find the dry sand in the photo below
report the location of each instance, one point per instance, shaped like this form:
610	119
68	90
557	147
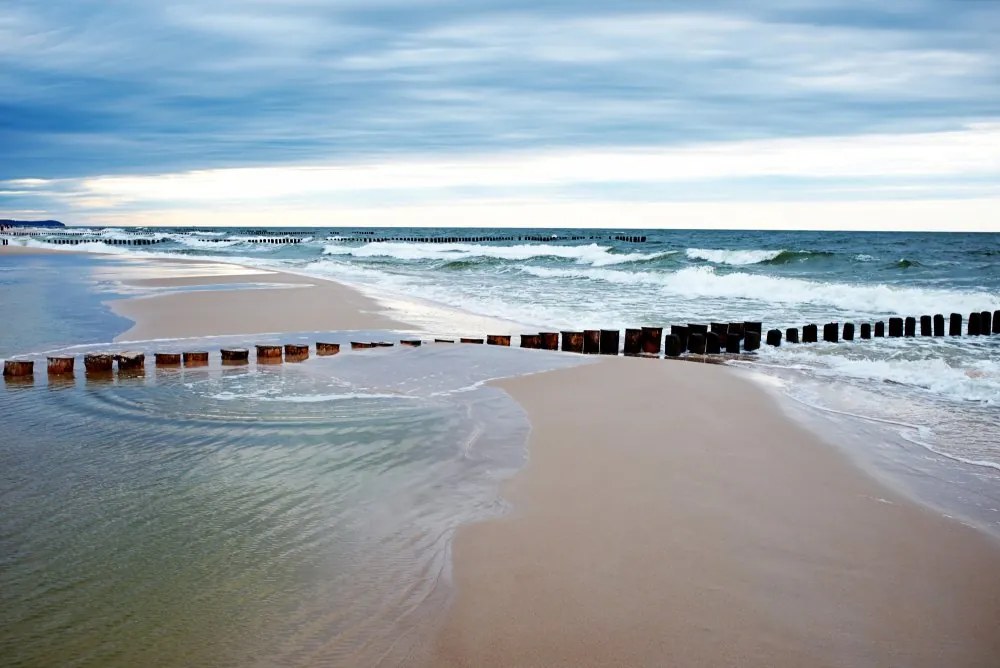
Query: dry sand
671	516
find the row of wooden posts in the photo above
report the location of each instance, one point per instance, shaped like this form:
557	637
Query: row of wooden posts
111	242
486	239
699	339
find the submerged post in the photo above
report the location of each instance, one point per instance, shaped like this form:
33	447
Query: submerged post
774	337
130	361
296	352
469	340
18	368
751	340
415	343
985	319
61	365
361	345
167	359
235	355
996	322
879	329
269	354
196	358
591	341
324	349
609	341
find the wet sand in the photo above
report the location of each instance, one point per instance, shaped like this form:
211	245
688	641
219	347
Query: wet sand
671	516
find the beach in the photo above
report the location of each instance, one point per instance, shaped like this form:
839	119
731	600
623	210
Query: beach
669	514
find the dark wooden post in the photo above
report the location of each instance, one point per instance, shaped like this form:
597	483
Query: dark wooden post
938	325
269	354
713	346
130	361
416	343
792	334
925	325
830	332
324	349
18	368
649	340
694	328
572	342
732	344
751	340
955	324
591	341
530	341
696	343
632	341
809	333
996	322
61	365
549	340
474	340
866	330
974	324
609	341
672	345
195	358
985	321
752	327
497	340
296	352
235	355
98	362
848	331
910	326
681	331
167	359
361	345
895	327
774	337
721	329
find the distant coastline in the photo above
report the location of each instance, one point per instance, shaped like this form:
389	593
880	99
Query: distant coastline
8	222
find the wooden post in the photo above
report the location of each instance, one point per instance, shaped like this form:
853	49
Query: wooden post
296	352
830	332
470	340
497	340
974	324
61	365
591	341
809	333
130	361
361	345
695	328
866	330
549	340
925	325
632	345
696	343
720	329
609	341
18	368
774	337
938	325
530	341
167	359
269	354
672	345
752	327
955	324
681	331
195	358
572	342
444	341
751	340
895	327
235	355
792	334
649	340
879	329
910	326
325	349
732	344
713	346
848	333
996	322
985	321
415	343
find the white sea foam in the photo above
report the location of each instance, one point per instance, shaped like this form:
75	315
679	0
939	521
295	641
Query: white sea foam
591	254
732	257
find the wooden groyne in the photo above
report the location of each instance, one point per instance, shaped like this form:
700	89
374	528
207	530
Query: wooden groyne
356	237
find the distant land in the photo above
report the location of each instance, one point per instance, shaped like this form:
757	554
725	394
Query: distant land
6	222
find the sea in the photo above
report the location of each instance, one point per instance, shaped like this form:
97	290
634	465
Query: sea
263	507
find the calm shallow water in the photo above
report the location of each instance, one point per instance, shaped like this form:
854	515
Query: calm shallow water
276	515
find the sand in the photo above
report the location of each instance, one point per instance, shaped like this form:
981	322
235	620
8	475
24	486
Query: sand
670	515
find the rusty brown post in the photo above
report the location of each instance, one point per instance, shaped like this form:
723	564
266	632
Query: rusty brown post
382	344
572	342
235	355
444	340
650	339
167	359
268	354
549	340
413	343
632	341
61	365
130	361
609	341
18	368
324	349
591	341
361	345
530	341
498	339
98	362
196	358
469	340
296	352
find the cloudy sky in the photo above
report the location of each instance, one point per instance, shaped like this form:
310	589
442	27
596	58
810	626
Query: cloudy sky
788	113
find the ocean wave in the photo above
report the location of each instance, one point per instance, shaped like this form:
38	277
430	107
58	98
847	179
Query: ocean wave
878	298
592	254
745	257
903	263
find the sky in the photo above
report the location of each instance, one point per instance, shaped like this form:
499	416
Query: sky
823	114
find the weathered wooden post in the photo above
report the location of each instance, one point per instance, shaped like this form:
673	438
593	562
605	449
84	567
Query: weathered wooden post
572	342
985	321
235	355
497	340
720	329
18	368
649	340
713	346
974	324
955	324
672	345
469	340
167	359
591	341
879	329
444	340
195	358
61	365
296	352
737	329
925	325
752	326
609	341
830	332
632	341
130	360
530	341
774	337
848	332
325	349
415	343
866	330
938	325
910	326
696	343
996	322
695	328
809	333
361	345
792	334
681	331
549	340
732	344
895	327
270	354
751	340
